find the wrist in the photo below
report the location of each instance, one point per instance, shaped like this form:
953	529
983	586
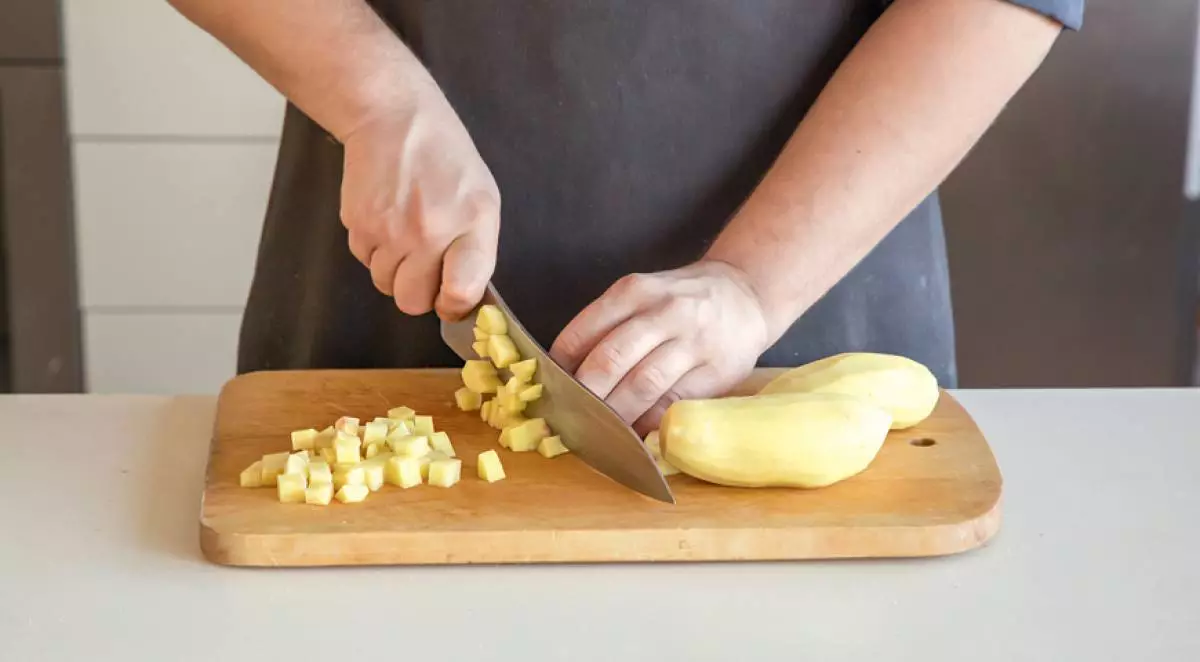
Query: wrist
775	317
386	99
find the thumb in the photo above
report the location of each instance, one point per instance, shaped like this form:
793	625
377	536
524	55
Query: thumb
467	266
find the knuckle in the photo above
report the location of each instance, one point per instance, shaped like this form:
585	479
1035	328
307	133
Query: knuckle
607	358
570	342
633	284
648	383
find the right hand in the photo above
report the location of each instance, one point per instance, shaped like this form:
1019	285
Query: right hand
422	209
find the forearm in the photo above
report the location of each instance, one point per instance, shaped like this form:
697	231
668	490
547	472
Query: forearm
902	110
335	59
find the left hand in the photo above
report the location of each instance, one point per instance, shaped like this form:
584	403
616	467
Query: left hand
652	339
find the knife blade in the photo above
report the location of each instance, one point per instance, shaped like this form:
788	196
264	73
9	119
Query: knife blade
586	424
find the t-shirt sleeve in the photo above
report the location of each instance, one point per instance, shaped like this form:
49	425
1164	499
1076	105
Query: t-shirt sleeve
1067	12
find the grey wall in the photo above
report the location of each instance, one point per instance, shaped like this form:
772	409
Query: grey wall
1072	258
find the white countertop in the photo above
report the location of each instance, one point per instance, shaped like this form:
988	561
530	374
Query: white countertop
1096	559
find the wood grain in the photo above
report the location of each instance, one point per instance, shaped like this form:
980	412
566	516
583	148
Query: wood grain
914	500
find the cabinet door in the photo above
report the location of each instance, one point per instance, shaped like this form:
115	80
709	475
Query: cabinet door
1072	263
35	193
29	30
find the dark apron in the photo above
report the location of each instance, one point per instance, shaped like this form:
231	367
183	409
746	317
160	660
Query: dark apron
623	135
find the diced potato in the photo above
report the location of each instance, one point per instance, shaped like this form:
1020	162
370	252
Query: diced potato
402	428
480	334
481	348
353	475
401	413
329	455
480	376
347	424
318	493
489	467
440	441
552	447
403	472
530	393
373	475
273	465
319	472
352	493
525	437
467	400
491	320
485	410
303	440
423	425
291	488
502	351
325	438
503	440
297	463
445	473
252	476
524	370
346	447
509	419
426	460
375	431
511	403
410	446
513	386
372	449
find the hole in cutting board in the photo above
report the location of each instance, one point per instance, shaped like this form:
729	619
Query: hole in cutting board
924	442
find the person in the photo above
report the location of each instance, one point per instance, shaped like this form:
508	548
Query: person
690	187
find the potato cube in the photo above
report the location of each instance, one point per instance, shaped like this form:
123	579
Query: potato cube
372	449
297	463
481	348
347	424
404	472
507	419
426	460
491	320
480	334
319	472
324	438
467	400
273	465
552	447
530	393
502	351
303	440
423	425
346	448
401	413
480	376
523	370
410	446
352	493
525	437
485	410
353	475
252	476
444	473
318	493
375	431
329	455
373	475
489	467
402	428
440	441
511	403
291	488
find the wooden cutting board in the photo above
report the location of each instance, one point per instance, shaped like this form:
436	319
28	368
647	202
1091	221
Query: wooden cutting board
932	490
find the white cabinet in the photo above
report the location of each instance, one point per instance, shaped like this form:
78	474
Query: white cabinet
174	142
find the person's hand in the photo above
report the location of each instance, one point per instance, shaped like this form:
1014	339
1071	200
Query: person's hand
422	209
652	339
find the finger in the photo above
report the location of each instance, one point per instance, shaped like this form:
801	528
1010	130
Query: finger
361	247
383	270
620	351
467	267
651	380
699	382
415	285
620	302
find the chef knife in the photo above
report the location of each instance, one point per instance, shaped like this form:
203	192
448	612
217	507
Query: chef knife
587	425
